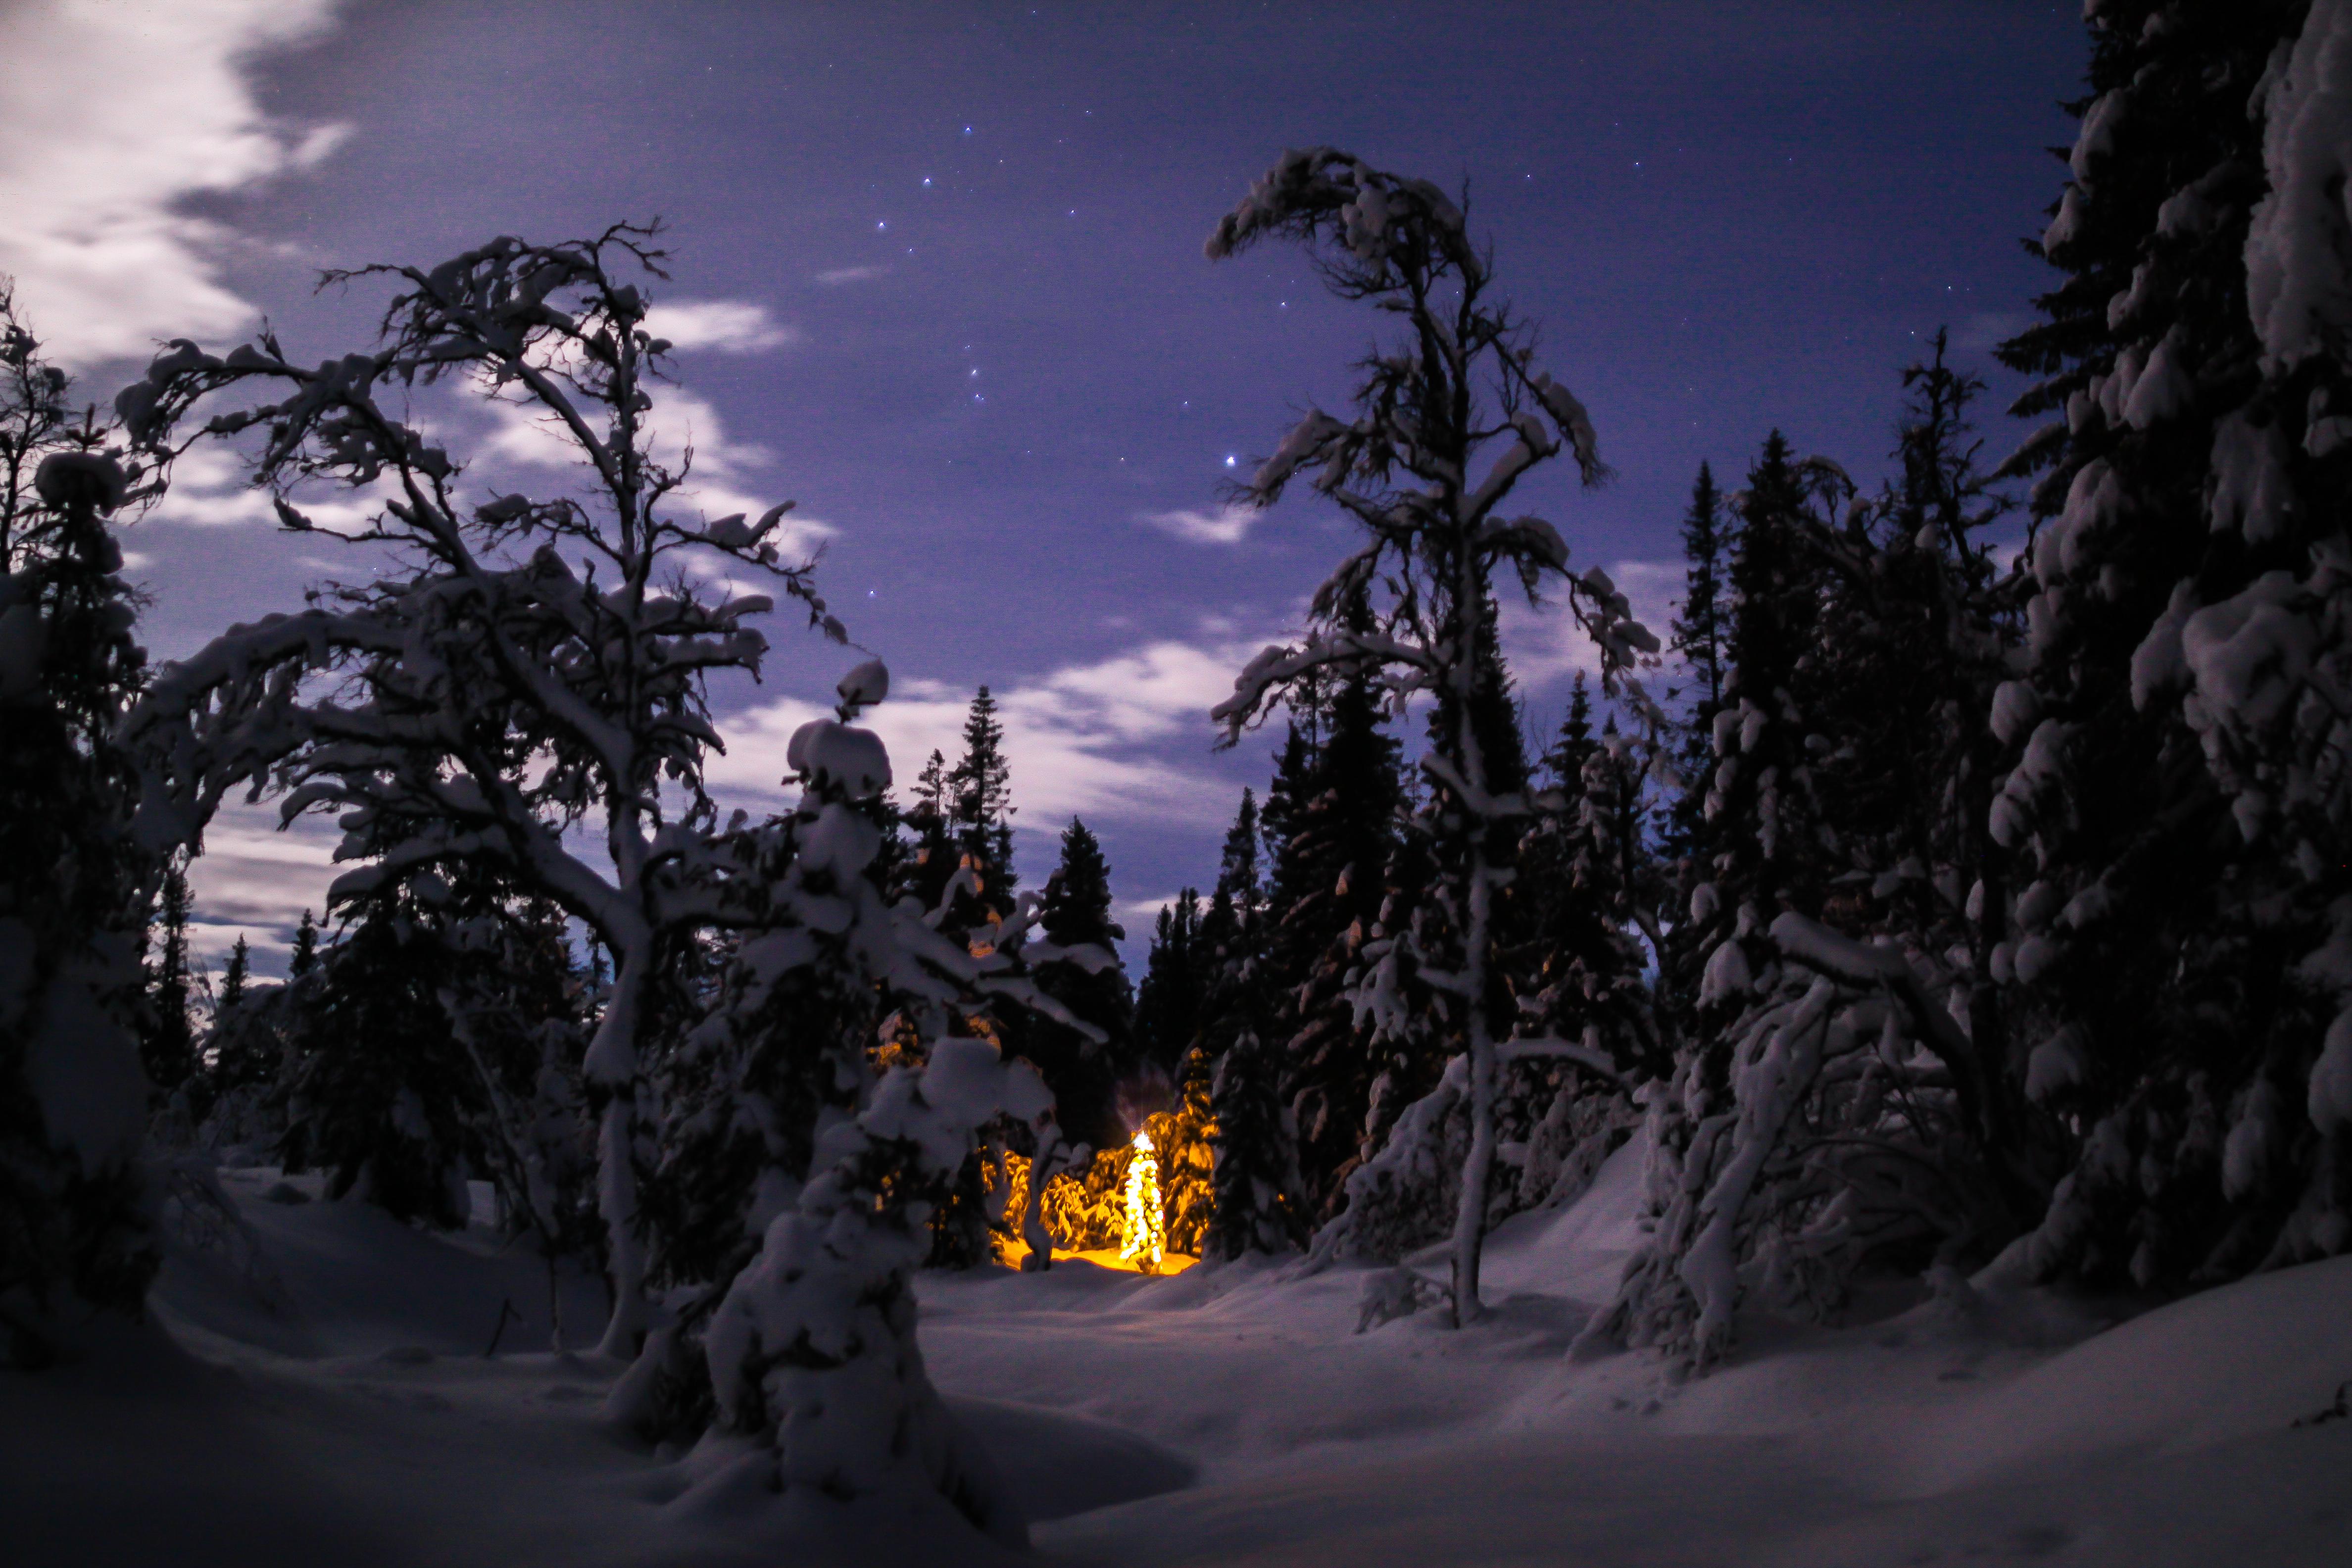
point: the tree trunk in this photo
(612, 1074)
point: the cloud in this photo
(1988, 330)
(254, 881)
(725, 326)
(1105, 740)
(724, 474)
(851, 275)
(110, 117)
(1226, 525)
(211, 488)
(1545, 645)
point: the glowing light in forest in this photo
(1142, 1238)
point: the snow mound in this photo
(1058, 1464)
(2236, 1362)
(1578, 1251)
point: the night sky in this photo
(946, 263)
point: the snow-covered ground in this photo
(335, 1407)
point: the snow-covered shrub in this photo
(1405, 1196)
(1832, 1140)
(810, 1346)
(813, 1349)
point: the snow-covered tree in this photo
(1260, 1206)
(1589, 887)
(532, 665)
(1449, 419)
(2177, 788)
(1843, 1104)
(74, 1213)
(809, 1348)
(1702, 640)
(517, 1006)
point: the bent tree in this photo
(1449, 417)
(522, 691)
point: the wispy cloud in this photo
(254, 881)
(110, 117)
(1987, 330)
(1545, 645)
(724, 326)
(1107, 740)
(211, 488)
(1229, 524)
(726, 474)
(851, 274)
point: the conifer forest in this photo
(1192, 784)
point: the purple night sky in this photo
(944, 265)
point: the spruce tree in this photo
(1702, 623)
(305, 954)
(233, 978)
(979, 804)
(1329, 884)
(929, 862)
(1257, 1204)
(978, 798)
(2175, 781)
(382, 1090)
(1702, 638)
(75, 1210)
(1168, 1002)
(169, 1047)
(1084, 1073)
(1846, 1109)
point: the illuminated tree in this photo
(1143, 1236)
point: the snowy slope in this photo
(347, 1415)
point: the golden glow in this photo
(1142, 1240)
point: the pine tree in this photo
(1168, 1002)
(1845, 1108)
(305, 955)
(1702, 623)
(75, 1208)
(1702, 638)
(1259, 1203)
(979, 804)
(1328, 883)
(169, 1048)
(1584, 867)
(1084, 1073)
(381, 1093)
(929, 863)
(1765, 853)
(2175, 780)
(232, 985)
(534, 676)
